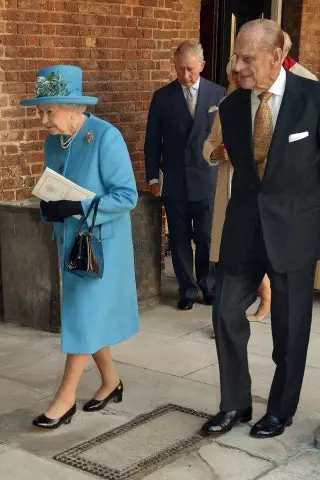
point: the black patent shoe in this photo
(224, 421)
(270, 426)
(115, 396)
(45, 422)
(185, 304)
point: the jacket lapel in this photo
(290, 111)
(243, 133)
(201, 107)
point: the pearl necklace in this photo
(68, 142)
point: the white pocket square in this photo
(294, 137)
(214, 108)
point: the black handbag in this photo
(86, 254)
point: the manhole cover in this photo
(140, 446)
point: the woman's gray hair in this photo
(287, 41)
(195, 48)
(75, 107)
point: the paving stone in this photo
(301, 432)
(17, 431)
(19, 465)
(14, 396)
(306, 466)
(204, 335)
(160, 320)
(270, 448)
(145, 389)
(190, 467)
(32, 358)
(175, 356)
(317, 439)
(231, 464)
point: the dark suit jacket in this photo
(287, 202)
(174, 141)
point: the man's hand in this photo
(155, 189)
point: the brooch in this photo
(88, 137)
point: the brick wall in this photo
(124, 48)
(301, 19)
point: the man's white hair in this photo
(194, 48)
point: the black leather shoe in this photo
(115, 396)
(224, 421)
(44, 422)
(185, 304)
(270, 426)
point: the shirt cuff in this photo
(153, 180)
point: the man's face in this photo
(188, 68)
(257, 67)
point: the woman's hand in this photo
(59, 210)
(219, 154)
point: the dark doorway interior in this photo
(220, 21)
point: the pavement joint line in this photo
(264, 474)
(182, 377)
(203, 460)
(264, 356)
(19, 382)
(199, 369)
(252, 455)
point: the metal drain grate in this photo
(141, 446)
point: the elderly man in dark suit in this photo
(271, 132)
(180, 119)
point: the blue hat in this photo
(59, 84)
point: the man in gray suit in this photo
(180, 119)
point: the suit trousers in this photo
(189, 221)
(291, 314)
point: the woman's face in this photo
(56, 120)
(233, 81)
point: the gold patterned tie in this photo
(262, 133)
(191, 102)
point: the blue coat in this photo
(98, 312)
(174, 141)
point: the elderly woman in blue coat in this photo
(95, 313)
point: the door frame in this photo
(276, 10)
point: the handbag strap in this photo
(93, 205)
(95, 211)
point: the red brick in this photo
(8, 195)
(11, 183)
(36, 169)
(124, 48)
(23, 194)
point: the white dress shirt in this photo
(194, 92)
(277, 89)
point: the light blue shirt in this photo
(194, 90)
